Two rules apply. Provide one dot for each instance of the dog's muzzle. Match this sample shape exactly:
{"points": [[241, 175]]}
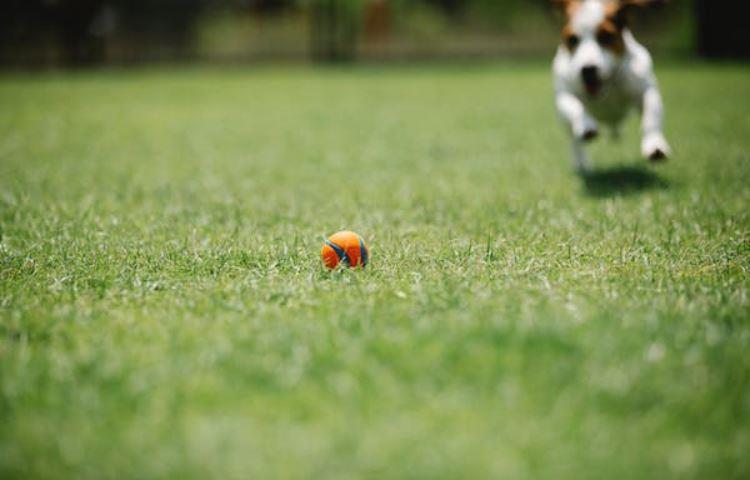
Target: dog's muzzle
{"points": [[591, 79]]}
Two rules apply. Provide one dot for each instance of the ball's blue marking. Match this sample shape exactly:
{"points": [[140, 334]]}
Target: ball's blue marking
{"points": [[363, 253], [340, 252]]}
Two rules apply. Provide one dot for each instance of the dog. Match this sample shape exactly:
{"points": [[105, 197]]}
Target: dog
{"points": [[601, 73]]}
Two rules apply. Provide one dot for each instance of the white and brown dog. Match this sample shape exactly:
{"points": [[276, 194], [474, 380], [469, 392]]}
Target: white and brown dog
{"points": [[602, 73]]}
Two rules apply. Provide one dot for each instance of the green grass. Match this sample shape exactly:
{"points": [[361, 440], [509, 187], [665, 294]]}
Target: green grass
{"points": [[164, 313]]}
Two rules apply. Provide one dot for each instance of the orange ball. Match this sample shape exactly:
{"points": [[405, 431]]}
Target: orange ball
{"points": [[347, 247]]}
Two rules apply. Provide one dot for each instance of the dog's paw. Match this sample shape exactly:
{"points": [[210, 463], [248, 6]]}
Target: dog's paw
{"points": [[587, 130], [590, 134], [655, 147]]}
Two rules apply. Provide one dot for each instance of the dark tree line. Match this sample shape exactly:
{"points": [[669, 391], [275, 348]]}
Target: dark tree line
{"points": [[78, 30], [723, 28]]}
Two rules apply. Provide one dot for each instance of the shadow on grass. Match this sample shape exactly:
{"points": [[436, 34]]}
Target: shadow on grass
{"points": [[622, 180]]}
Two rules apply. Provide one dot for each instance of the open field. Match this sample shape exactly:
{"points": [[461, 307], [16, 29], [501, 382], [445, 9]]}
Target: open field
{"points": [[164, 313]]}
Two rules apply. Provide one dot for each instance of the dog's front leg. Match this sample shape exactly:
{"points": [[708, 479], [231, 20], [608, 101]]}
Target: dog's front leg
{"points": [[582, 127], [653, 146]]}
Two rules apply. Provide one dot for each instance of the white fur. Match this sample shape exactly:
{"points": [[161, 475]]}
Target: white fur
{"points": [[628, 83]]}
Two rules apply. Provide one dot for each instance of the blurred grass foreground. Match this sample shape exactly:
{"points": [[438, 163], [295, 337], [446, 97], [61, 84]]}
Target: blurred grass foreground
{"points": [[43, 33], [164, 313]]}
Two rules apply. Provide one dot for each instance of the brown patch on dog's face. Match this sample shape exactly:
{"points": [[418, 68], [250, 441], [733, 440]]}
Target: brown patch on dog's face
{"points": [[569, 37], [571, 7], [609, 33]]}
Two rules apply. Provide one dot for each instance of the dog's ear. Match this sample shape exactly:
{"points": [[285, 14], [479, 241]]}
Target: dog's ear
{"points": [[563, 4], [567, 7]]}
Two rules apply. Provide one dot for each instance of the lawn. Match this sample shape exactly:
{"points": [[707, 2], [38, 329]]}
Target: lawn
{"points": [[164, 312]]}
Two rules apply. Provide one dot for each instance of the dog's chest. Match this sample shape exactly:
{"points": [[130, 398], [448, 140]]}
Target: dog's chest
{"points": [[612, 106]]}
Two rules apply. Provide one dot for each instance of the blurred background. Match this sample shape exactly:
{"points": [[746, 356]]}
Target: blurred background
{"points": [[73, 33]]}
